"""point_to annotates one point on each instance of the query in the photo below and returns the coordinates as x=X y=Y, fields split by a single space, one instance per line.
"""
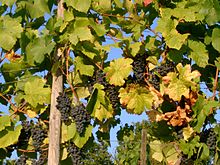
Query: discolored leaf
x=119 y=70
x=136 y=99
x=68 y=132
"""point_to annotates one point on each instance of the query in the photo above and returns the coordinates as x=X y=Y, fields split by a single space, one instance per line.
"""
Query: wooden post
x=55 y=117
x=143 y=146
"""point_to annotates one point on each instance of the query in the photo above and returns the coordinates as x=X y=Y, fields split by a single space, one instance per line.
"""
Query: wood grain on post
x=55 y=117
x=143 y=146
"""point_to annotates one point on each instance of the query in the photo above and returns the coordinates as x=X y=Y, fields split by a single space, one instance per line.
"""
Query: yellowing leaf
x=119 y=70
x=136 y=98
x=176 y=89
x=68 y=132
x=187 y=132
x=31 y=114
x=158 y=156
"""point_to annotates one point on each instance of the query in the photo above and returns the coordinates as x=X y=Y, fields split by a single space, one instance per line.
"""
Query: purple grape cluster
x=38 y=134
x=64 y=105
x=140 y=68
x=81 y=117
x=75 y=154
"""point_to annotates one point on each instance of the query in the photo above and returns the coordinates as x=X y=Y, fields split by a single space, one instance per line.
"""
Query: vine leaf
x=176 y=85
x=80 y=5
x=216 y=39
x=198 y=50
x=118 y=70
x=9 y=136
x=36 y=9
x=84 y=69
x=99 y=105
x=36 y=93
x=136 y=98
x=4 y=122
x=68 y=132
x=187 y=132
x=81 y=141
x=37 y=49
x=10 y=30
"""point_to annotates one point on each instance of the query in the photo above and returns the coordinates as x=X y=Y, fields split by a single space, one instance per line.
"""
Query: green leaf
x=175 y=40
x=82 y=67
x=119 y=70
x=10 y=31
x=99 y=105
x=4 y=122
x=12 y=69
x=216 y=39
x=8 y=2
x=81 y=141
x=205 y=152
x=198 y=50
x=36 y=9
x=136 y=99
x=80 y=5
x=9 y=136
x=36 y=93
x=68 y=132
x=37 y=49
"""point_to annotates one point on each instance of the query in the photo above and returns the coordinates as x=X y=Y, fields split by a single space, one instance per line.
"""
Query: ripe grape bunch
x=160 y=71
x=139 y=67
x=81 y=117
x=75 y=153
x=209 y=137
x=64 y=105
x=38 y=134
x=78 y=113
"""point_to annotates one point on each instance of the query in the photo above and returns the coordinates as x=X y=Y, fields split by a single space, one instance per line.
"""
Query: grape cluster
x=158 y=72
x=209 y=137
x=75 y=154
x=22 y=160
x=186 y=161
x=64 y=106
x=112 y=93
x=38 y=136
x=81 y=117
x=139 y=67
